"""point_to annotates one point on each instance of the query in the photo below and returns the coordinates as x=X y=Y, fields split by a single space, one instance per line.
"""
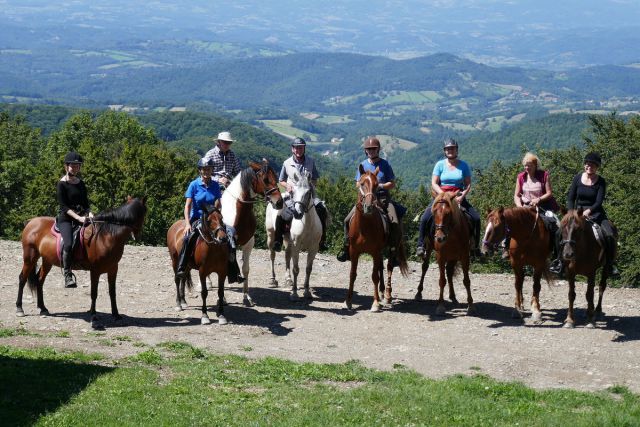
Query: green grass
x=283 y=127
x=187 y=386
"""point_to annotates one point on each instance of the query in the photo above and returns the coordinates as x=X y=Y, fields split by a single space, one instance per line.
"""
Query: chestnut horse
x=582 y=254
x=530 y=245
x=103 y=246
x=367 y=235
x=451 y=243
x=237 y=209
x=210 y=256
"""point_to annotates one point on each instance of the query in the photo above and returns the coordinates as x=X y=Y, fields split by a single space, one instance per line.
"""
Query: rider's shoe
x=70 y=280
x=556 y=267
x=420 y=251
x=343 y=255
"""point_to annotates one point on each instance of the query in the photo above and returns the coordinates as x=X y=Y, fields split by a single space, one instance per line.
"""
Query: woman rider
x=588 y=190
x=450 y=174
x=73 y=212
x=386 y=182
x=202 y=193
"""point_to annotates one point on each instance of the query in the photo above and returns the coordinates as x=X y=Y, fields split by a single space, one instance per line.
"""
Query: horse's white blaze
x=488 y=231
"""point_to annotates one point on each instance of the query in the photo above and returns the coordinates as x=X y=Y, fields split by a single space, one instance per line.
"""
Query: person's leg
x=425 y=221
x=278 y=234
x=394 y=228
x=187 y=247
x=610 y=247
x=475 y=220
x=66 y=230
x=343 y=255
x=557 y=266
x=321 y=210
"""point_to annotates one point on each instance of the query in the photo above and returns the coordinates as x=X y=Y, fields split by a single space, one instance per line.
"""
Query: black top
x=72 y=196
x=588 y=196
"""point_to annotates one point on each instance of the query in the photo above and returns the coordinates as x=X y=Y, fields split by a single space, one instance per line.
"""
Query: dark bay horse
x=582 y=254
x=367 y=235
x=210 y=256
x=259 y=179
x=530 y=245
x=103 y=246
x=451 y=243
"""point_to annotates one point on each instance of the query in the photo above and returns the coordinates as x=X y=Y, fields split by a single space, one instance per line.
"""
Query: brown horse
x=366 y=235
x=210 y=256
x=451 y=243
x=530 y=245
x=237 y=209
x=103 y=246
x=582 y=254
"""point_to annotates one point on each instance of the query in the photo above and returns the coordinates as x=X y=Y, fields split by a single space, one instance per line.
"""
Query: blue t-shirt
x=201 y=195
x=452 y=177
x=385 y=173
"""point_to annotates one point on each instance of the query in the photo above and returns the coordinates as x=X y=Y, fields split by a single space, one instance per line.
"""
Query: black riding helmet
x=298 y=142
x=72 y=157
x=593 y=158
x=450 y=142
x=203 y=162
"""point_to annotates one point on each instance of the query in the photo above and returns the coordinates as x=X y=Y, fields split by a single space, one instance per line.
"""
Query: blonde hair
x=530 y=157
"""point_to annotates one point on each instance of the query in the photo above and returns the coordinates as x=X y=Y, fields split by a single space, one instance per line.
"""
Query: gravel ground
x=408 y=333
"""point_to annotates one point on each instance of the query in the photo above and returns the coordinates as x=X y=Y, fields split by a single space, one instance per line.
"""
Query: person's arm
x=465 y=191
x=435 y=184
x=517 y=193
x=573 y=191
x=187 y=214
x=64 y=203
x=597 y=205
x=236 y=165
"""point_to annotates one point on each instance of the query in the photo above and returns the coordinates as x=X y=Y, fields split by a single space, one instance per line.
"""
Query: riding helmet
x=372 y=142
x=593 y=158
x=204 y=162
x=450 y=142
x=72 y=157
x=298 y=142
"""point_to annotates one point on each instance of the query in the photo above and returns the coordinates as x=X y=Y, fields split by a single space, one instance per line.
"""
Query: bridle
x=364 y=194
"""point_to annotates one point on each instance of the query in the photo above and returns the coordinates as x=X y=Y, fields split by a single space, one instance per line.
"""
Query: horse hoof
x=590 y=325
x=293 y=296
x=440 y=310
x=516 y=314
x=307 y=295
x=568 y=325
x=20 y=312
x=471 y=310
x=273 y=283
x=222 y=320
x=184 y=305
x=418 y=296
x=375 y=308
x=248 y=302
x=346 y=306
x=205 y=320
x=97 y=326
x=288 y=283
x=536 y=317
x=44 y=313
x=117 y=317
x=177 y=308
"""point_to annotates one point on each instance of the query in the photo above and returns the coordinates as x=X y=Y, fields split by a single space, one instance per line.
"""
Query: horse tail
x=402 y=258
x=188 y=282
x=32 y=279
x=546 y=274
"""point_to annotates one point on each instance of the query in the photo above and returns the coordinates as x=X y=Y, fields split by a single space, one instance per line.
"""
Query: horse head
x=302 y=194
x=213 y=226
x=496 y=230
x=571 y=227
x=367 y=186
x=444 y=210
x=266 y=183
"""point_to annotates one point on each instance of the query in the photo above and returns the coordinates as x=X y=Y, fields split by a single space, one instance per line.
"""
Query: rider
x=201 y=193
x=225 y=162
x=73 y=212
x=303 y=164
x=588 y=190
x=386 y=182
x=450 y=174
x=533 y=188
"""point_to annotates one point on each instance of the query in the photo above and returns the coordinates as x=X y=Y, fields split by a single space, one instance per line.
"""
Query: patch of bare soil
x=407 y=333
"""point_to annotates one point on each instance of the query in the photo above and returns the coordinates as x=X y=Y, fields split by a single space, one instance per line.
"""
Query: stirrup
x=420 y=251
x=70 y=280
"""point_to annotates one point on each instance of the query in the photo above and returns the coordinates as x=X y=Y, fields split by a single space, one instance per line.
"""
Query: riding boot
x=557 y=266
x=610 y=266
x=505 y=249
x=322 y=214
x=69 y=278
x=278 y=234
x=233 y=270
x=343 y=255
x=185 y=253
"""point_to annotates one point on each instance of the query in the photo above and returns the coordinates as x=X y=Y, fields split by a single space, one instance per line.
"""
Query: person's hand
x=91 y=215
x=459 y=198
x=380 y=186
x=535 y=201
x=224 y=181
x=187 y=229
x=82 y=219
x=289 y=188
x=586 y=213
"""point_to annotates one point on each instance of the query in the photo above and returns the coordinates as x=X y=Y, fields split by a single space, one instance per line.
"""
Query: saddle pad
x=78 y=249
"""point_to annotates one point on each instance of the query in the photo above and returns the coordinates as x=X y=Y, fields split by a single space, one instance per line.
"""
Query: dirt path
x=542 y=356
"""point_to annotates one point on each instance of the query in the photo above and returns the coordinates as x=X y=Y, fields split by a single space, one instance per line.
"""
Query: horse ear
x=580 y=210
x=489 y=210
x=361 y=169
x=129 y=198
x=255 y=166
x=144 y=200
x=265 y=161
x=500 y=211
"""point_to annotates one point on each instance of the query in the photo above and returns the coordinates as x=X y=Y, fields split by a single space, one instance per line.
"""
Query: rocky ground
x=407 y=333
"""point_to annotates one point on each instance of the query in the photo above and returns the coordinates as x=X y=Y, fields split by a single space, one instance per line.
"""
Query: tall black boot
x=233 y=270
x=610 y=266
x=278 y=234
x=343 y=255
x=322 y=214
x=69 y=277
x=557 y=265
x=185 y=252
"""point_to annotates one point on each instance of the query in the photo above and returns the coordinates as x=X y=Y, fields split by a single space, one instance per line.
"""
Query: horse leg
x=272 y=255
x=95 y=277
x=178 y=282
x=570 y=321
x=295 y=259
x=601 y=288
x=352 y=278
x=471 y=308
x=440 y=309
x=536 y=314
x=387 y=289
x=425 y=267
x=311 y=256
x=28 y=267
x=375 y=277
x=204 y=320
x=42 y=275
x=518 y=312
x=111 y=279
x=450 y=269
x=246 y=254
x=287 y=267
x=221 y=319
x=591 y=284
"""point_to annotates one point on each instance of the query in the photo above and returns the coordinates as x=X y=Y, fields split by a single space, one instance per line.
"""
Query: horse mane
x=246 y=179
x=456 y=214
x=126 y=215
x=519 y=214
x=570 y=214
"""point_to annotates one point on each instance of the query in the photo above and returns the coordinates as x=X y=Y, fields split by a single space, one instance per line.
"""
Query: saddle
x=432 y=227
x=77 y=247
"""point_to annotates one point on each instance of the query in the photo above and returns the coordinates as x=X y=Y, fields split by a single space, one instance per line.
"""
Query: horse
x=451 y=244
x=210 y=255
x=530 y=245
x=304 y=235
x=102 y=247
x=582 y=254
x=367 y=235
x=237 y=209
